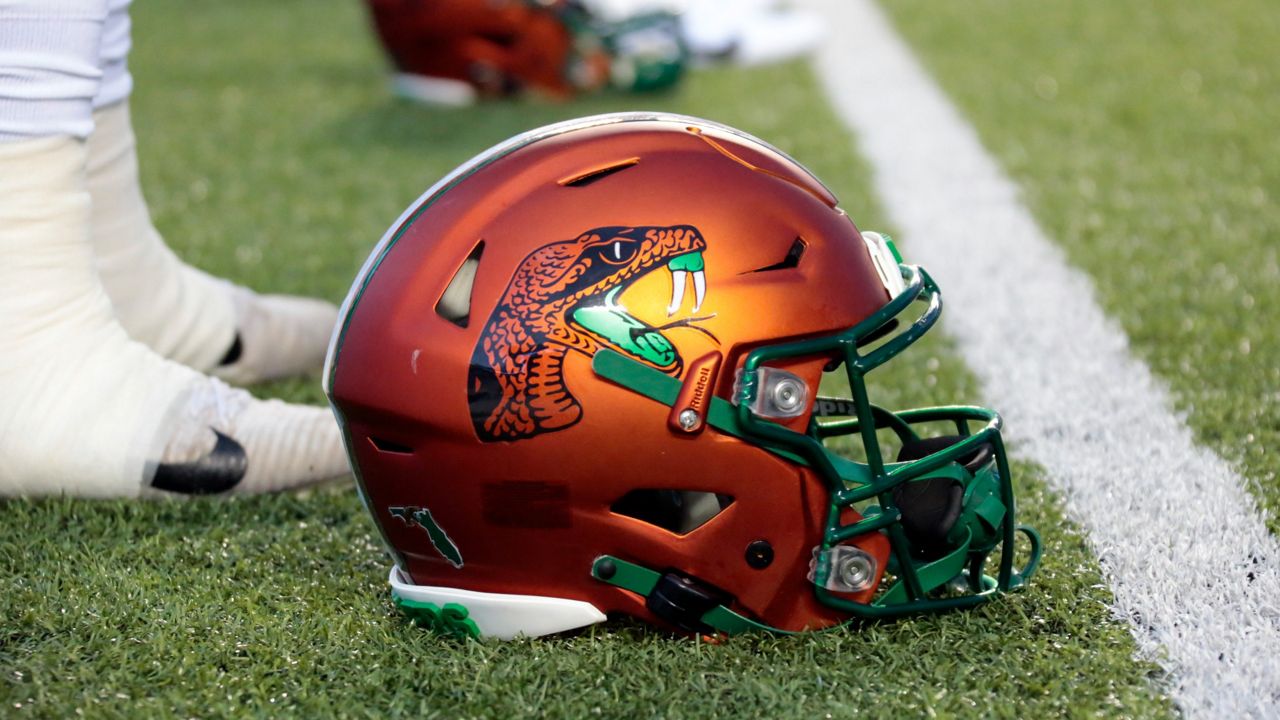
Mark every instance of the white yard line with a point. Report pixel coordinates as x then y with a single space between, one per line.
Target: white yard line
1188 556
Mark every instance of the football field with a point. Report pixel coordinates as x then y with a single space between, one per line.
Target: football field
1095 187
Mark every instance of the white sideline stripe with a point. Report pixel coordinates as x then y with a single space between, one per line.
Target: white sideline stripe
1175 531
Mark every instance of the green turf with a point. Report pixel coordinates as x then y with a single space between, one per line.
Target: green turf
1145 136
272 154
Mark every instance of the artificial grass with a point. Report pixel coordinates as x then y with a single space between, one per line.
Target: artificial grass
1144 135
277 605
271 154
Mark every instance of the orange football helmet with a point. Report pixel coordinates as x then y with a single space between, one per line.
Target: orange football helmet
450 51
580 376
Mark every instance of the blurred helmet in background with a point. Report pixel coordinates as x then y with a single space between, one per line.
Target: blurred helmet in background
454 51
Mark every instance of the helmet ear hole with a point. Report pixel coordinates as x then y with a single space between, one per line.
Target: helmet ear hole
677 511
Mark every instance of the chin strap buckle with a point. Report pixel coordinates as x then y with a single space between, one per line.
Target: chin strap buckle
714 619
682 601
674 597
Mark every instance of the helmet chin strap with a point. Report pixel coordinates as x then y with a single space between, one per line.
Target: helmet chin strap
645 582
718 617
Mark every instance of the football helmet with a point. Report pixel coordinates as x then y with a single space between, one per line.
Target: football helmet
452 51
584 374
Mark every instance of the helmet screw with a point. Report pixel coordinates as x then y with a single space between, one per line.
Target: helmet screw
606 569
759 554
688 418
788 395
856 571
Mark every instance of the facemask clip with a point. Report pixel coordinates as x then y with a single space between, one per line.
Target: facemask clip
843 568
779 395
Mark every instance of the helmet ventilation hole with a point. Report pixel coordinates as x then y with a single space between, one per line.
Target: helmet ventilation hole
383 445
600 173
677 511
454 304
792 259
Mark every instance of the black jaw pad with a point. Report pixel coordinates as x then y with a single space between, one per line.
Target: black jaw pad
931 506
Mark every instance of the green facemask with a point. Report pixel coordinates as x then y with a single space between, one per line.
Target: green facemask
945 510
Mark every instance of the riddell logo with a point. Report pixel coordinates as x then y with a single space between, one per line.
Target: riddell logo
701 384
689 412
829 407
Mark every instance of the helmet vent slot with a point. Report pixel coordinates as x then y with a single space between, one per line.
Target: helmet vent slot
600 173
454 304
383 445
792 259
677 511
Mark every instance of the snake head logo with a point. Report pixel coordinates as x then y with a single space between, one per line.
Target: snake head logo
562 298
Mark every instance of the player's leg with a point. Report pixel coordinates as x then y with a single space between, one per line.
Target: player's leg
181 312
83 409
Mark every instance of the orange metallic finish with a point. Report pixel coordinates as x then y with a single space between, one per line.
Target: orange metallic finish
498 46
402 373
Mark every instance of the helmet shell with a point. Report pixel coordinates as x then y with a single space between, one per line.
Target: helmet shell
528 499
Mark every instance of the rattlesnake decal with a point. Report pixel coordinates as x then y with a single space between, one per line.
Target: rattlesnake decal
563 297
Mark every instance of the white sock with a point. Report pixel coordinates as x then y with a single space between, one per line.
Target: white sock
86 410
179 311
